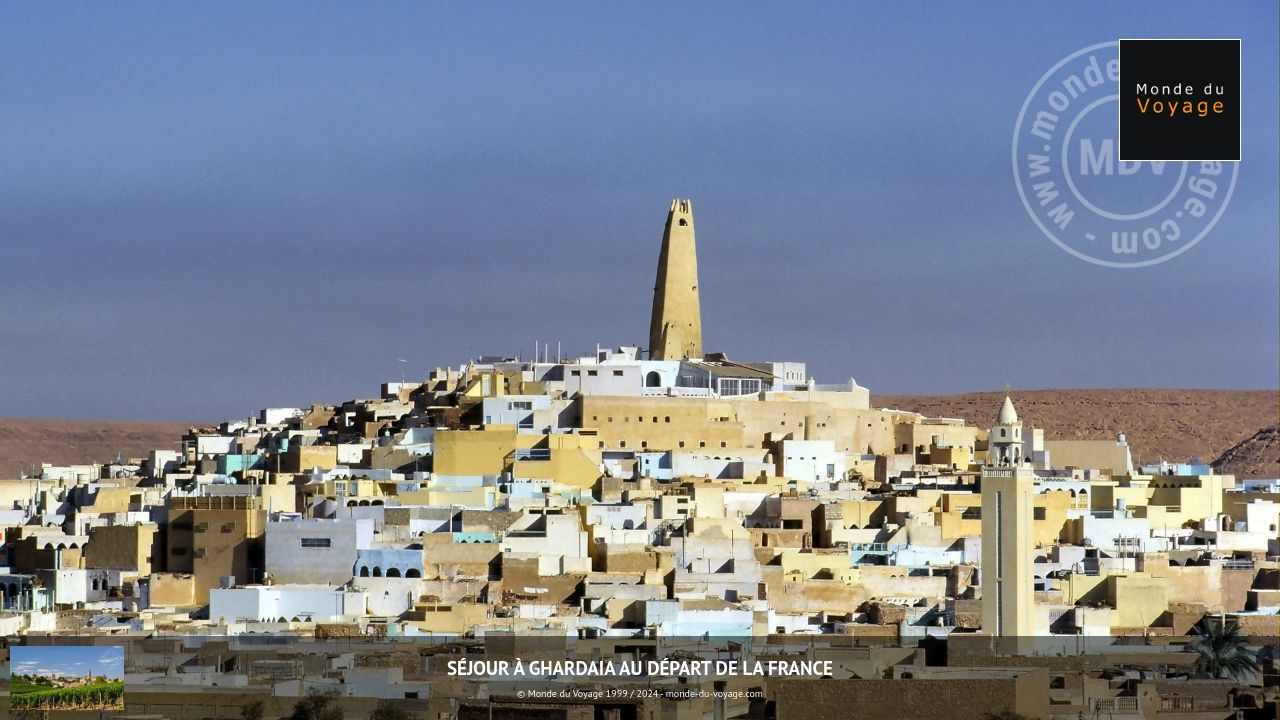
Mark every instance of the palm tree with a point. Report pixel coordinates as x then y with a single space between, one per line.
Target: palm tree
1222 651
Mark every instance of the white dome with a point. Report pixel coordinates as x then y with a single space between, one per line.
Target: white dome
1007 416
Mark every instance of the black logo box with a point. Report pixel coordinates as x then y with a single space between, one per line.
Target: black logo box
1187 68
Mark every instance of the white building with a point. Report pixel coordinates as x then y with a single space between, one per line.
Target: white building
284 603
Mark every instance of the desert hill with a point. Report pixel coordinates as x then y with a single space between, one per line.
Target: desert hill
1256 456
28 441
1173 425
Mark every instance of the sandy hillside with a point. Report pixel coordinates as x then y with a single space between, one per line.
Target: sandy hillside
1170 424
1256 456
24 441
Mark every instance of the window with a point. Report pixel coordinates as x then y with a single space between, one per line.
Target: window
617 373
316 542
592 373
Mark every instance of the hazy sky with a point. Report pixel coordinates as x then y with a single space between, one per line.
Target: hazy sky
209 209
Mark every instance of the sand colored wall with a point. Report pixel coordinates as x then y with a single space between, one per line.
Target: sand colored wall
124 547
1138 599
172 589
488 451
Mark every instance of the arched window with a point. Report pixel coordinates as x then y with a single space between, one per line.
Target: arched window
364 571
393 572
652 379
377 572
412 573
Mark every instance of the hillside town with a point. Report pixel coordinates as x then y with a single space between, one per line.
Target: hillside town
611 502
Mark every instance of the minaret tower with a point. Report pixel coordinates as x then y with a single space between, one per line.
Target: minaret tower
1004 444
1008 546
675 328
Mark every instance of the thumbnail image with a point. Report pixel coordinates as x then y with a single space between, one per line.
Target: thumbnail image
76 677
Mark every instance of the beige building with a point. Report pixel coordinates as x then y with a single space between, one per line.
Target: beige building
216 537
124 547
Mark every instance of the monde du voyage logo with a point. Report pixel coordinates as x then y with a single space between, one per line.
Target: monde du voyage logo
1162 193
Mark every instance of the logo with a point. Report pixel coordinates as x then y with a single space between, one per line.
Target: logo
1106 211
1180 100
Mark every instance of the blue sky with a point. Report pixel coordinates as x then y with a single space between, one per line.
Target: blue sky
207 210
67 660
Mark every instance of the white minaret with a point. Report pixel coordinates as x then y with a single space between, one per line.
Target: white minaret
1005 441
1008 581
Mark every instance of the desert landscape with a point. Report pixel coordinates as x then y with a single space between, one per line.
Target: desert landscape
1234 429
25 442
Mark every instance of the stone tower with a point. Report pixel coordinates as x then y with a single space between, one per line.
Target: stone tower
1008 547
675 330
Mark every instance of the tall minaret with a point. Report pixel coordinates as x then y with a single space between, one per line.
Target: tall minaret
675 330
1008 547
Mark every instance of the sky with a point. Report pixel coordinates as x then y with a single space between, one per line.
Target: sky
67 660
206 210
